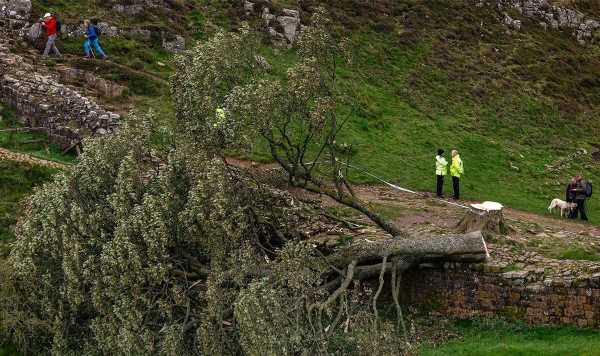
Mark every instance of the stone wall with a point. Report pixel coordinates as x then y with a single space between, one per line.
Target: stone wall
41 101
465 291
106 88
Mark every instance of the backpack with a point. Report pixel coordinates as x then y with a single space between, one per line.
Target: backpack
97 30
588 189
58 25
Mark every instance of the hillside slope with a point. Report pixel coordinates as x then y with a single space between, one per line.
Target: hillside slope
518 99
521 106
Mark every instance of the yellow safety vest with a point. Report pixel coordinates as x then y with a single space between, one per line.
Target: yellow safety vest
441 166
456 169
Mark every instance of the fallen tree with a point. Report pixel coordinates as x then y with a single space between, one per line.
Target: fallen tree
142 249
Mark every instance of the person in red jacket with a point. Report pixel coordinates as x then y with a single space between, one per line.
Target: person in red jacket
49 23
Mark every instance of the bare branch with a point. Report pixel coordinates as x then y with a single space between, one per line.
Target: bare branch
380 288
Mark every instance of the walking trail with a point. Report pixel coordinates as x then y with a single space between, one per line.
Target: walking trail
7 155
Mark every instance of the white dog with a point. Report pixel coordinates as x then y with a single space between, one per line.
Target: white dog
565 208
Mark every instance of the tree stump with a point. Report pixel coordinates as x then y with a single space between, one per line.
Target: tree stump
486 217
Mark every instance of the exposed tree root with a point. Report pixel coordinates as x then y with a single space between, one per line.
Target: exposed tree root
399 267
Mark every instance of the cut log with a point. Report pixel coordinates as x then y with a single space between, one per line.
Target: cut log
486 217
465 248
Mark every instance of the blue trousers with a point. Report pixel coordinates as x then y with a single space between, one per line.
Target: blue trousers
87 47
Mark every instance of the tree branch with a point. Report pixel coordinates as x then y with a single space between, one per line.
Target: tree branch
380 287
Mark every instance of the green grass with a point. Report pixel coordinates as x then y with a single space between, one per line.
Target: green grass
523 101
579 253
16 182
34 144
497 338
563 249
8 351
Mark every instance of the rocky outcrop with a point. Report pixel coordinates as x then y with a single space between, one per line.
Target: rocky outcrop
551 16
284 29
14 14
512 23
42 101
130 10
138 7
290 22
15 9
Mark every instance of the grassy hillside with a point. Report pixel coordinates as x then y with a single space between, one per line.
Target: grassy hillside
447 74
427 74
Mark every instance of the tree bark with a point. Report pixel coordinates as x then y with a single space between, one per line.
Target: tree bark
466 248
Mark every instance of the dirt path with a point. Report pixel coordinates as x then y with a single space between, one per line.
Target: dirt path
6 155
418 209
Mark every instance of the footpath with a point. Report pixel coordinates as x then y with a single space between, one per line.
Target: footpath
7 155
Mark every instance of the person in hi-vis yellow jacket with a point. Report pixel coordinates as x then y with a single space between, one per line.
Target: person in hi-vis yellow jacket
441 169
456 171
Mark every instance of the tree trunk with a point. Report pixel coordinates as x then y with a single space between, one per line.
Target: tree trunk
466 248
483 218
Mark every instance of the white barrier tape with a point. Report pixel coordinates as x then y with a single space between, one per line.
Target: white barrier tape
397 187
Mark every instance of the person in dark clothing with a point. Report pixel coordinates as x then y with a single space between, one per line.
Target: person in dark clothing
441 168
578 191
570 195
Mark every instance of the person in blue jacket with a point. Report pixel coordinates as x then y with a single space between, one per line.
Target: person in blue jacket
91 39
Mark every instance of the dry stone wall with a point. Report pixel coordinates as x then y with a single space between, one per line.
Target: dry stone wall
41 101
465 291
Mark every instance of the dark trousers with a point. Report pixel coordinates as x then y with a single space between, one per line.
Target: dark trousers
440 186
456 187
579 210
